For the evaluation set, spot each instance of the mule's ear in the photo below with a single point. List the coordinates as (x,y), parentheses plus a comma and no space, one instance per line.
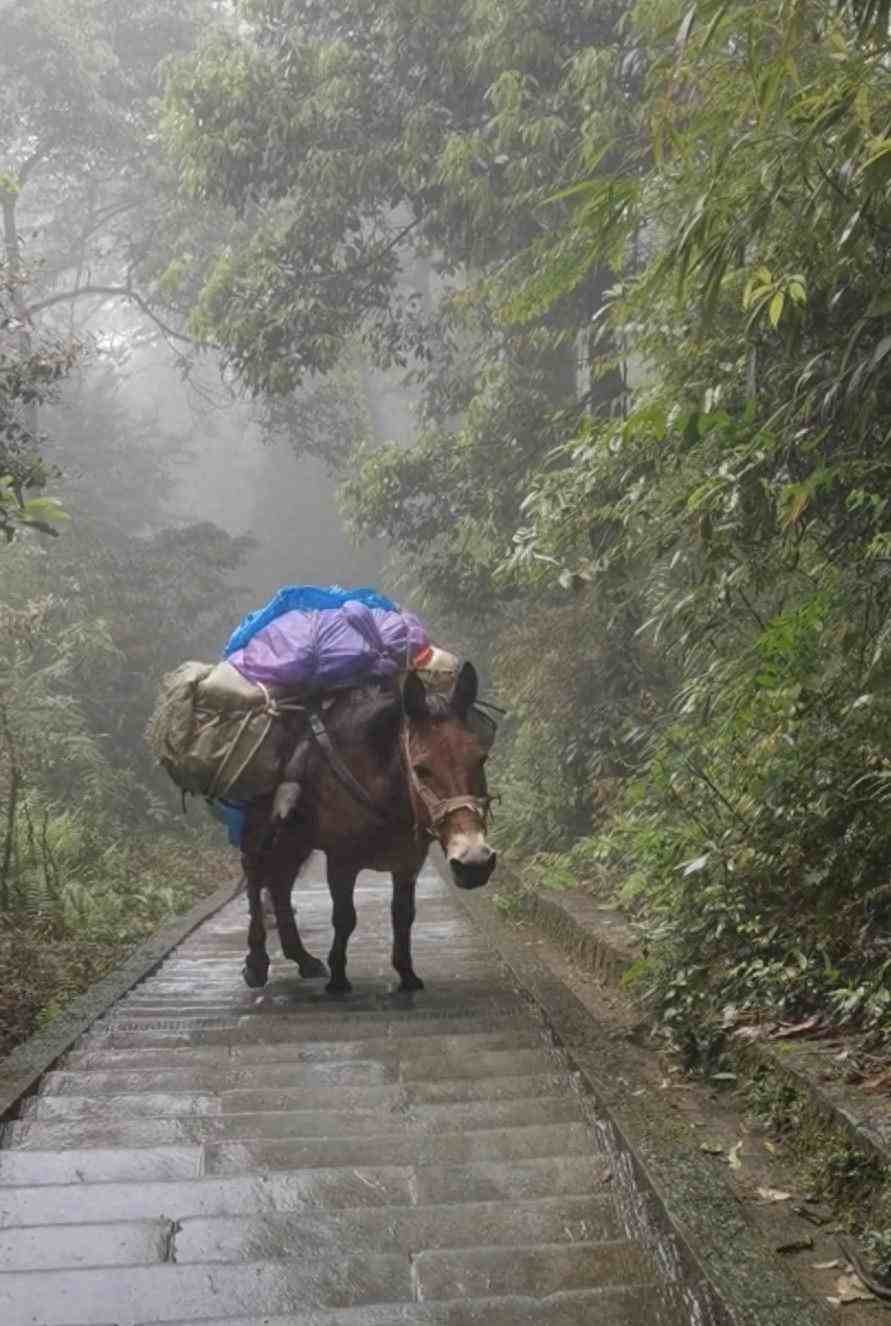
(414,696)
(466,690)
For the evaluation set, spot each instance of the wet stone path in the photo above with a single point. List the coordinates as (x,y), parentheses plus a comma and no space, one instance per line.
(209,1153)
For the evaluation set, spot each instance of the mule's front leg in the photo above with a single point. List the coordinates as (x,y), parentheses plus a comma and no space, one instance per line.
(402,910)
(341,882)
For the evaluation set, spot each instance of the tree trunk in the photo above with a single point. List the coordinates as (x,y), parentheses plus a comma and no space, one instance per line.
(15,270)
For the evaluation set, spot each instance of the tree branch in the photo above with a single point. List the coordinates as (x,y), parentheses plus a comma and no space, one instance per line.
(363,266)
(33,160)
(112,292)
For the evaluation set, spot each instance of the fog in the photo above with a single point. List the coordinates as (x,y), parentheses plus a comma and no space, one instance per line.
(224,470)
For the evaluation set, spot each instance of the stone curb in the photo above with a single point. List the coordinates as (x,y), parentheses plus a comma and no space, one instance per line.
(21,1071)
(605,943)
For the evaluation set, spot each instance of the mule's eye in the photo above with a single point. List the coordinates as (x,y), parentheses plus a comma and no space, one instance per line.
(423,770)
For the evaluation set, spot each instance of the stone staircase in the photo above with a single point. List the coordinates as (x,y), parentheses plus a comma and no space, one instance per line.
(212,1154)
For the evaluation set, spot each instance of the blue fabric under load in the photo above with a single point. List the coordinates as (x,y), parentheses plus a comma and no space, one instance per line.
(301,598)
(232,815)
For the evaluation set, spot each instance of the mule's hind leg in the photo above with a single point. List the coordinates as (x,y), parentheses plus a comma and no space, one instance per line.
(256,860)
(341,882)
(402,911)
(256,965)
(280,888)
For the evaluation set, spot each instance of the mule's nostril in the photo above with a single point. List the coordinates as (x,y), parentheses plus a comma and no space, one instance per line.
(473,868)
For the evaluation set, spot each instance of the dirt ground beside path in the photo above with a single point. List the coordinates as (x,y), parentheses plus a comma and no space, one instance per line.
(40,974)
(43,965)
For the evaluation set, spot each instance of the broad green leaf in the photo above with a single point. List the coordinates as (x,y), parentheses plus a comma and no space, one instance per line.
(880,304)
(44,508)
(881,351)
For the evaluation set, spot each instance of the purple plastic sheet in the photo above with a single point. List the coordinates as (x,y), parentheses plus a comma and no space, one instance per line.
(331,648)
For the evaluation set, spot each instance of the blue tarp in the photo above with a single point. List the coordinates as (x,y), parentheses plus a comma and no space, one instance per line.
(301,598)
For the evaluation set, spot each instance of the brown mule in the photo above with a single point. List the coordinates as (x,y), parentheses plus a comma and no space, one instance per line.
(419,759)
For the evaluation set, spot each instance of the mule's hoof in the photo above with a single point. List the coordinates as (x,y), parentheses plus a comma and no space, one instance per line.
(410,981)
(254,979)
(312,968)
(335,987)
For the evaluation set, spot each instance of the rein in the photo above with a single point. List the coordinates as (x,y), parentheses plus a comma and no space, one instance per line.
(325,746)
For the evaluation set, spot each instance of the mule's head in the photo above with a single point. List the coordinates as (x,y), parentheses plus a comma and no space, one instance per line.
(445,752)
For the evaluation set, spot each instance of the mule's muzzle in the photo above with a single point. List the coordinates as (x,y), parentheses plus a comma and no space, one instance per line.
(473,867)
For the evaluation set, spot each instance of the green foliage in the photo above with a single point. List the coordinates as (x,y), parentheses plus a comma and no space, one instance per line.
(29,374)
(92,856)
(739,510)
(92,851)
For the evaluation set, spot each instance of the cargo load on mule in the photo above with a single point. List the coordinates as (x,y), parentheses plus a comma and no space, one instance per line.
(236,730)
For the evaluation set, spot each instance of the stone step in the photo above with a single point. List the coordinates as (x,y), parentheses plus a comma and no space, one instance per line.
(520,1179)
(404,1230)
(275,1027)
(459,1005)
(58,1247)
(308,1001)
(249,1194)
(219,1100)
(407,1230)
(283,999)
(252,1044)
(222,1075)
(664,1305)
(450,1064)
(514,1144)
(245,1066)
(145,1105)
(301,1190)
(31,1168)
(126,1296)
(129,1296)
(467,1116)
(256,1034)
(537,1271)
(145,1164)
(178,969)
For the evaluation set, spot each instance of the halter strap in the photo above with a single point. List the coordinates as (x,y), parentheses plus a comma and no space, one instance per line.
(439,808)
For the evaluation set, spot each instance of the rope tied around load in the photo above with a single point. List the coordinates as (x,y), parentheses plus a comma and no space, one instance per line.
(271,709)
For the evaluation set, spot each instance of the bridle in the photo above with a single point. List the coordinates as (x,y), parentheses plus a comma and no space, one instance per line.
(439,809)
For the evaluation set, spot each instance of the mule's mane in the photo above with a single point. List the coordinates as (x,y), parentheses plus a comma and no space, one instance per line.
(372,716)
(375,702)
